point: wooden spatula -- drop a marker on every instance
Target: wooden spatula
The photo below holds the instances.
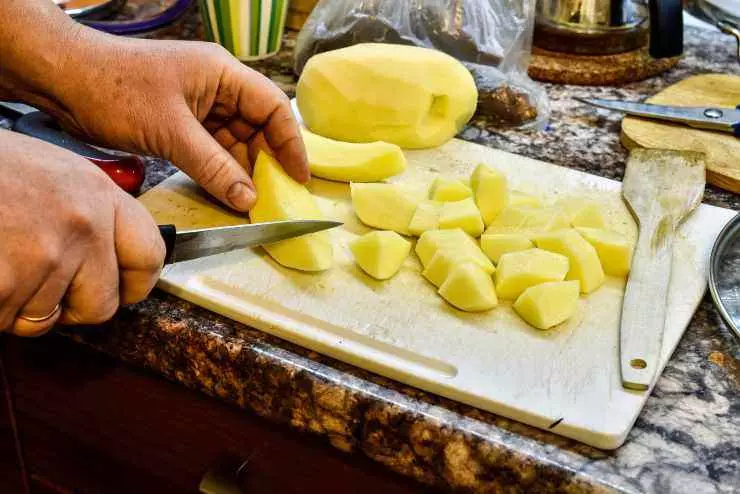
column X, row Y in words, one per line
column 661, row 188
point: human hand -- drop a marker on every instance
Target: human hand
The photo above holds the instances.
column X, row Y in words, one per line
column 68, row 236
column 191, row 103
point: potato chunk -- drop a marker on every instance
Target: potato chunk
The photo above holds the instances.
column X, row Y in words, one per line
column 489, row 189
column 385, row 206
column 548, row 304
column 352, row 162
column 279, row 197
column 522, row 199
column 455, row 240
column 613, row 249
column 446, row 259
column 426, row 217
column 461, row 214
column 469, row 288
column 449, row 189
column 581, row 212
column 584, row 261
column 380, row 254
column 496, row 244
column 517, row 271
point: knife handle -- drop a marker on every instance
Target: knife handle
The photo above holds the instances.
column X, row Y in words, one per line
column 126, row 171
column 736, row 126
column 169, row 233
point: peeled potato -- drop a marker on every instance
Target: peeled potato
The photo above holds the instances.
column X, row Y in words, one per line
column 494, row 245
column 522, row 199
column 469, row 288
column 381, row 253
column 385, row 206
column 410, row 96
column 461, row 214
column 449, row 189
column 584, row 261
column 457, row 240
column 517, row 271
column 279, row 197
column 437, row 270
column 548, row 304
column 352, row 162
column 489, row 189
column 426, row 217
column 613, row 249
column 581, row 212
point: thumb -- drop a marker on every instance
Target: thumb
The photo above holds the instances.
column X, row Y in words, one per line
column 198, row 154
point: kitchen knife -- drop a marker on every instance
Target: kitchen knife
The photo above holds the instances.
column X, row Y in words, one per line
column 127, row 171
column 722, row 119
column 193, row 244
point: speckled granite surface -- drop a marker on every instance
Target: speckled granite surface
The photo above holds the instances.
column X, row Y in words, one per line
column 686, row 440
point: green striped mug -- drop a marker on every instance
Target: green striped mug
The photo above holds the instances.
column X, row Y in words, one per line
column 248, row 29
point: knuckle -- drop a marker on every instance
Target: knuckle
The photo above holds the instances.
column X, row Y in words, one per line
column 100, row 313
column 214, row 167
column 81, row 222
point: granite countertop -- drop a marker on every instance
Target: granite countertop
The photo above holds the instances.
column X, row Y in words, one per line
column 687, row 438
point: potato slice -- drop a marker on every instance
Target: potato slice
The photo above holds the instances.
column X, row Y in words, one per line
column 449, row 189
column 495, row 244
column 461, row 214
column 426, row 217
column 548, row 304
column 445, row 260
column 522, row 199
column 517, row 271
column 584, row 261
column 613, row 249
column 456, row 240
column 385, row 206
column 581, row 212
column 352, row 162
column 490, row 192
column 380, row 254
column 279, row 197
column 469, row 288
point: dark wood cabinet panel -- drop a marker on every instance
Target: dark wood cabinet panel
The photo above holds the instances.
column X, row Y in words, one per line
column 91, row 424
column 11, row 475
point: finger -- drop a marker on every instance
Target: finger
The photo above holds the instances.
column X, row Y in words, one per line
column 256, row 144
column 13, row 293
column 140, row 251
column 198, row 154
column 30, row 329
column 263, row 104
column 92, row 297
column 240, row 152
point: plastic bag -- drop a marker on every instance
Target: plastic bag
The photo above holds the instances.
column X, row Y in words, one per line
column 493, row 38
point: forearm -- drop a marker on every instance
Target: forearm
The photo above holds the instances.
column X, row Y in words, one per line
column 40, row 51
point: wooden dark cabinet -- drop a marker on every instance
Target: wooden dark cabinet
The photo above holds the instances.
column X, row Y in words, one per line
column 88, row 423
column 11, row 474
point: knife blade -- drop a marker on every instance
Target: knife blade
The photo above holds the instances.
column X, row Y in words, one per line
column 192, row 244
column 710, row 118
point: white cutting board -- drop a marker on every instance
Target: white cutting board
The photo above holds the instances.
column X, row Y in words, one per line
column 401, row 329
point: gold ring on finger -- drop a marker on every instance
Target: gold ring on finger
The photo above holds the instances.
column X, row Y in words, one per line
column 51, row 314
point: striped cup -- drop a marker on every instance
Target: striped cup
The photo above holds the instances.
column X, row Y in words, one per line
column 249, row 29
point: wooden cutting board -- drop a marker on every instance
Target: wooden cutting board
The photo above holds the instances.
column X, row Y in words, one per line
column 722, row 149
column 564, row 380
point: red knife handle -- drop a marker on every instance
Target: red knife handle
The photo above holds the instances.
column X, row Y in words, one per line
column 126, row 171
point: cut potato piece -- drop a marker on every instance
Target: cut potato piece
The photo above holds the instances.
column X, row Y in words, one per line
column 352, row 162
column 522, row 199
column 411, row 96
column 449, row 189
column 584, row 261
column 279, row 197
column 613, row 249
column 527, row 220
column 469, row 288
column 489, row 189
column 380, row 254
column 385, row 206
column 426, row 217
column 461, row 214
column 456, row 240
column 517, row 271
column 545, row 220
column 549, row 304
column 581, row 212
column 445, row 260
column 495, row 244
column 510, row 220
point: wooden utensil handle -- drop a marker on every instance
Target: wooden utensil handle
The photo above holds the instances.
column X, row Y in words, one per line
column 645, row 302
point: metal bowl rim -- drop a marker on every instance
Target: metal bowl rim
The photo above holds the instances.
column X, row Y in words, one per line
column 728, row 233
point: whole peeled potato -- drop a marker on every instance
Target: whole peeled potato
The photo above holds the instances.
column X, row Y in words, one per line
column 410, row 96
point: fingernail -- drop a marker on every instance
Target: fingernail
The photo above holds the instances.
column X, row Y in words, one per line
column 241, row 196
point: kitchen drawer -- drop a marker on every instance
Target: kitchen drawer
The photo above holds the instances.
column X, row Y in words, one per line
column 92, row 424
